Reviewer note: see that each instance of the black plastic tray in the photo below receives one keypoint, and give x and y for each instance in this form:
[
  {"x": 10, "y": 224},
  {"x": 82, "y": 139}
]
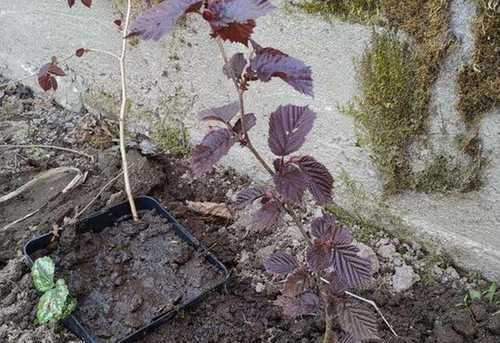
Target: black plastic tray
[{"x": 107, "y": 218}]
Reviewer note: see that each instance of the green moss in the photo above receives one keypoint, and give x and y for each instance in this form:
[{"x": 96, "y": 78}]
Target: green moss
[
  {"x": 443, "y": 175},
  {"x": 479, "y": 82},
  {"x": 354, "y": 10},
  {"x": 172, "y": 138},
  {"x": 393, "y": 108}
]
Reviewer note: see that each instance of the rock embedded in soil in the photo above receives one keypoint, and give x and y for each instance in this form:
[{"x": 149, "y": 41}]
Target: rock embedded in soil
[
  {"x": 446, "y": 334},
  {"x": 494, "y": 324},
  {"x": 478, "y": 311},
  {"x": 404, "y": 278},
  {"x": 463, "y": 323}
]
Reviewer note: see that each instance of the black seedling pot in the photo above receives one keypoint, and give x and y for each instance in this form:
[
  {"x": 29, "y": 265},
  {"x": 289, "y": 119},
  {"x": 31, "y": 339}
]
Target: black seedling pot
[{"x": 109, "y": 217}]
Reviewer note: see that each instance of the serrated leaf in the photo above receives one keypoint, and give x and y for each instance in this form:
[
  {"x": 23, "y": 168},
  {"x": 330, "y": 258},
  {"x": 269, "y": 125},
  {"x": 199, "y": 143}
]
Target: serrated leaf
[
  {"x": 234, "y": 20},
  {"x": 336, "y": 285},
  {"x": 322, "y": 227},
  {"x": 304, "y": 304},
  {"x": 223, "y": 113},
  {"x": 319, "y": 256},
  {"x": 295, "y": 282},
  {"x": 358, "y": 321},
  {"x": 235, "y": 66},
  {"x": 281, "y": 263},
  {"x": 160, "y": 19},
  {"x": 250, "y": 121},
  {"x": 247, "y": 196},
  {"x": 352, "y": 268},
  {"x": 42, "y": 273},
  {"x": 51, "y": 306},
  {"x": 213, "y": 147},
  {"x": 346, "y": 337},
  {"x": 55, "y": 70},
  {"x": 320, "y": 181},
  {"x": 290, "y": 182},
  {"x": 269, "y": 63},
  {"x": 288, "y": 127},
  {"x": 267, "y": 216}
]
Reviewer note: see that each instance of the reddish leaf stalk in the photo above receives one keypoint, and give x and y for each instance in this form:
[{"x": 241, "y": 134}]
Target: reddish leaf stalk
[
  {"x": 123, "y": 113},
  {"x": 249, "y": 145}
]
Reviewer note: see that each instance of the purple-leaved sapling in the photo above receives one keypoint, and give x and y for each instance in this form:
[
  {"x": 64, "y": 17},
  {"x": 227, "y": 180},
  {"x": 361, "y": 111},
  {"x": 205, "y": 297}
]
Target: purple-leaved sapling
[{"x": 332, "y": 263}]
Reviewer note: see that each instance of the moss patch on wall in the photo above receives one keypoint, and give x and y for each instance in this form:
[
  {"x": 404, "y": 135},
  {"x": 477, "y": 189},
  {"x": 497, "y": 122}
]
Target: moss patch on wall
[
  {"x": 393, "y": 108},
  {"x": 363, "y": 11},
  {"x": 479, "y": 82}
]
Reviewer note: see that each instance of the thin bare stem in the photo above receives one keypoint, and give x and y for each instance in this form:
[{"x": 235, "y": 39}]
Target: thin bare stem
[
  {"x": 123, "y": 113},
  {"x": 25, "y": 146},
  {"x": 104, "y": 52}
]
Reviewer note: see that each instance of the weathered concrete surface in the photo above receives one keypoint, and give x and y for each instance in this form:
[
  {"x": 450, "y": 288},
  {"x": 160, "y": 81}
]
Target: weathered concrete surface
[{"x": 181, "y": 75}]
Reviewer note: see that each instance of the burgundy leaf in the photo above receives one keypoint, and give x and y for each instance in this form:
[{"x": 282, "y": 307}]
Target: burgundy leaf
[
  {"x": 224, "y": 113},
  {"x": 352, "y": 268},
  {"x": 71, "y": 3},
  {"x": 248, "y": 196},
  {"x": 118, "y": 22},
  {"x": 44, "y": 77},
  {"x": 235, "y": 32},
  {"x": 346, "y": 337},
  {"x": 267, "y": 216},
  {"x": 79, "y": 52},
  {"x": 290, "y": 183},
  {"x": 213, "y": 147},
  {"x": 160, "y": 19},
  {"x": 358, "y": 321},
  {"x": 55, "y": 70},
  {"x": 320, "y": 181},
  {"x": 87, "y": 3},
  {"x": 337, "y": 285},
  {"x": 322, "y": 227},
  {"x": 288, "y": 127},
  {"x": 235, "y": 66},
  {"x": 295, "y": 282},
  {"x": 281, "y": 263},
  {"x": 250, "y": 121},
  {"x": 269, "y": 63},
  {"x": 306, "y": 303},
  {"x": 234, "y": 20},
  {"x": 319, "y": 256},
  {"x": 341, "y": 236},
  {"x": 53, "y": 83},
  {"x": 224, "y": 12}
]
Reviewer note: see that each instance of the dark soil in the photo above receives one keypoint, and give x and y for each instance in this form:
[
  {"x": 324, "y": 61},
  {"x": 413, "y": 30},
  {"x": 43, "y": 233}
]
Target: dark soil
[
  {"x": 244, "y": 312},
  {"x": 128, "y": 274}
]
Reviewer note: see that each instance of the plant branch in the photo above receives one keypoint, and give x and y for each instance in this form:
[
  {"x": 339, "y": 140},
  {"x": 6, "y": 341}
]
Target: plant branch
[
  {"x": 248, "y": 142},
  {"x": 105, "y": 52},
  {"x": 123, "y": 113},
  {"x": 23, "y": 146}
]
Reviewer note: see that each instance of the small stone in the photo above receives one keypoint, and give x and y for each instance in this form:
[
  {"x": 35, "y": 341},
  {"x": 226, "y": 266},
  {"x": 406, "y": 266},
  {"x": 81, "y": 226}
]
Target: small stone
[
  {"x": 135, "y": 303},
  {"x": 463, "y": 323},
  {"x": 447, "y": 335},
  {"x": 366, "y": 252},
  {"x": 259, "y": 287},
  {"x": 452, "y": 273},
  {"x": 398, "y": 260},
  {"x": 386, "y": 250},
  {"x": 404, "y": 278},
  {"x": 116, "y": 278},
  {"x": 494, "y": 324},
  {"x": 437, "y": 271},
  {"x": 478, "y": 311}
]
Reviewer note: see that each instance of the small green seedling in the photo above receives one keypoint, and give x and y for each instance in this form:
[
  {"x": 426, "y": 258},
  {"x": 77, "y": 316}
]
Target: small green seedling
[
  {"x": 55, "y": 303},
  {"x": 489, "y": 295}
]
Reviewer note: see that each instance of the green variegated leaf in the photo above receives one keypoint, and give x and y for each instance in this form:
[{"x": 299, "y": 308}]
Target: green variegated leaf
[
  {"x": 69, "y": 307},
  {"x": 51, "y": 306},
  {"x": 42, "y": 273}
]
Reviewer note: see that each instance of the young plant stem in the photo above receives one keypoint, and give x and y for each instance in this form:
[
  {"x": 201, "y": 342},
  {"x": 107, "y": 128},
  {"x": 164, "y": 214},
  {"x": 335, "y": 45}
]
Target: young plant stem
[
  {"x": 123, "y": 113},
  {"x": 248, "y": 142}
]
